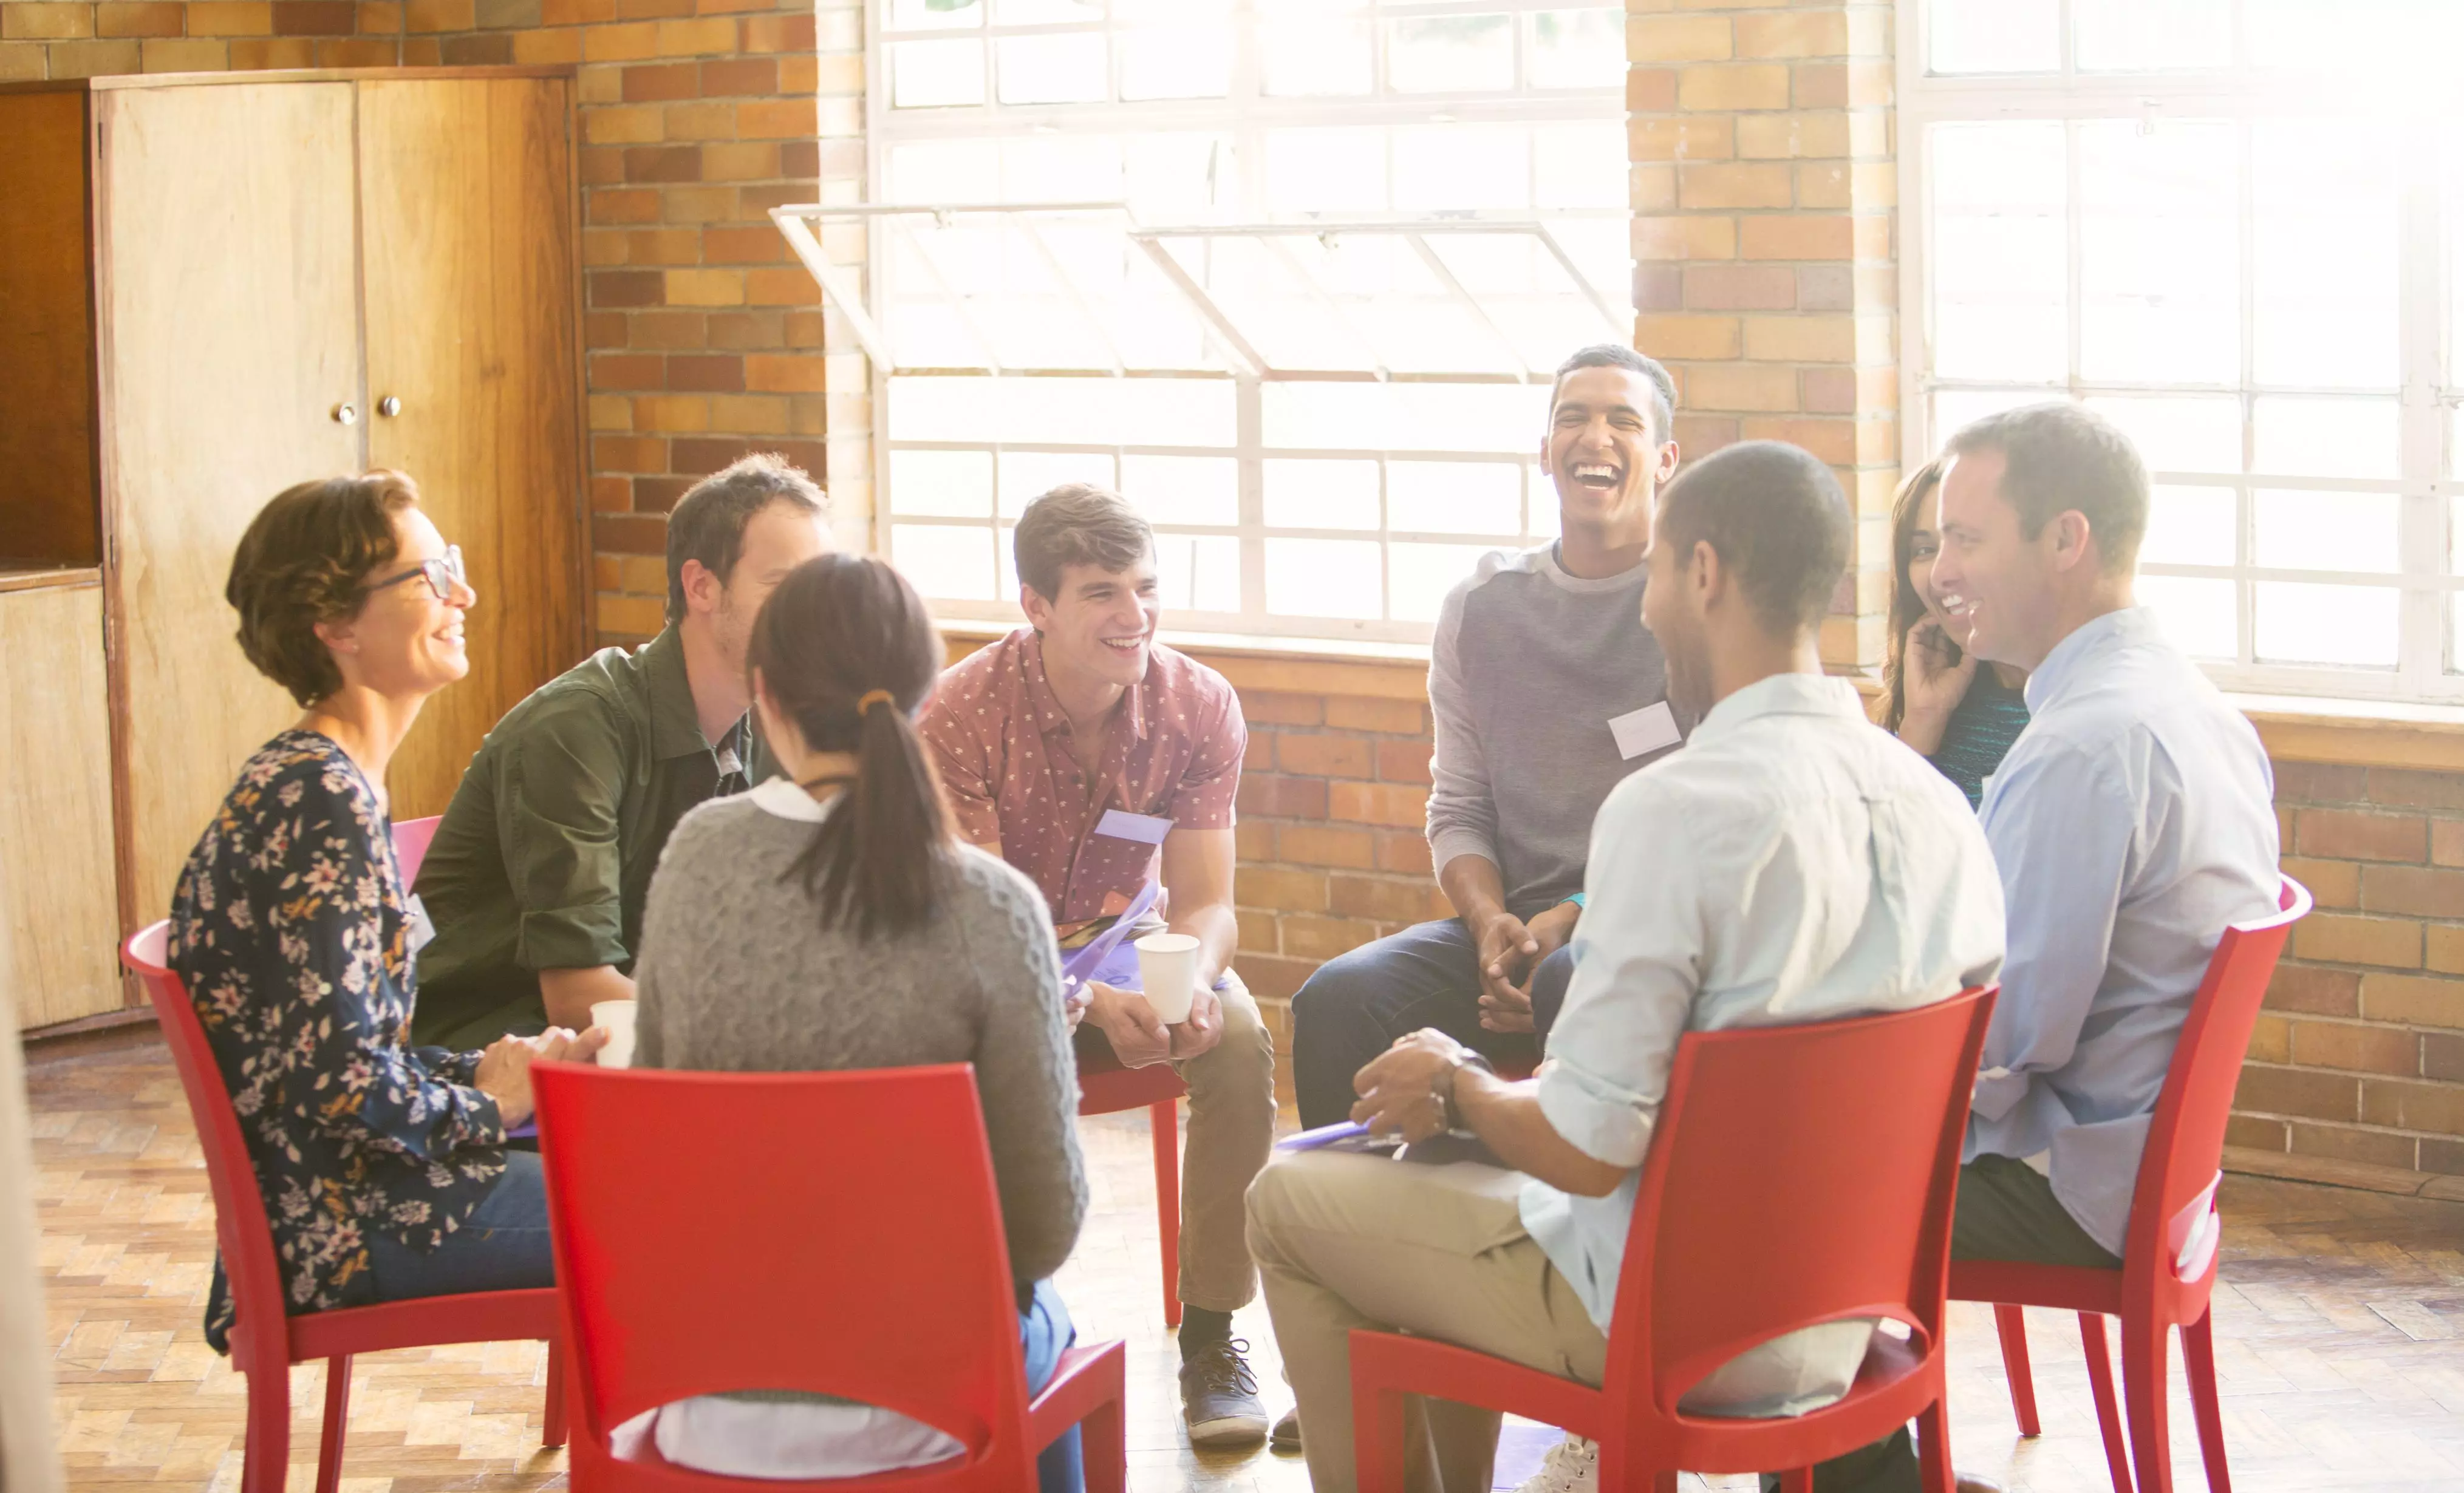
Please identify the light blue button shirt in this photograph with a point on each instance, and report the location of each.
(2132, 821)
(1793, 862)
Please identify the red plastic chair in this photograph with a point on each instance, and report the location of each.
(1800, 1174)
(1157, 1089)
(2168, 1256)
(410, 842)
(845, 1239)
(264, 1342)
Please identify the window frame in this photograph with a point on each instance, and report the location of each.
(1246, 114)
(2427, 398)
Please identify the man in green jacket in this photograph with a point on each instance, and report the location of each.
(535, 878)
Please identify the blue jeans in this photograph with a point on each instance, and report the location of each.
(1428, 974)
(1043, 1331)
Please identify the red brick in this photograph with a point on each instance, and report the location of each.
(1260, 708)
(2333, 884)
(1323, 756)
(2339, 939)
(640, 206)
(611, 494)
(1403, 761)
(1377, 803)
(1740, 287)
(1253, 840)
(2355, 835)
(1284, 890)
(659, 494)
(1650, 90)
(1387, 717)
(2413, 999)
(764, 245)
(1283, 797)
(628, 454)
(2373, 1147)
(314, 17)
(1400, 851)
(2320, 783)
(738, 78)
(1382, 900)
(801, 160)
(626, 533)
(663, 164)
(2414, 891)
(601, 165)
(2442, 1057)
(2255, 1132)
(653, 9)
(626, 288)
(2404, 788)
(488, 49)
(780, 33)
(2447, 842)
(748, 331)
(1271, 979)
(1323, 845)
(662, 82)
(701, 457)
(614, 372)
(2445, 1157)
(2358, 1048)
(2437, 1108)
(709, 374)
(602, 329)
(2314, 991)
(677, 331)
(1258, 755)
(1325, 937)
(123, 18)
(2317, 1096)
(788, 374)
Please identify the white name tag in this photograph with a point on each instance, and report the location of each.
(417, 930)
(1122, 824)
(1646, 730)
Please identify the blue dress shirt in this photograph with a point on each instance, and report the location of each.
(2133, 819)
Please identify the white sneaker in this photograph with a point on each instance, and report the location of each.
(1572, 1467)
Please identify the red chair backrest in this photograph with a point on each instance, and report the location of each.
(1797, 1175)
(2178, 1169)
(410, 837)
(240, 1226)
(837, 1233)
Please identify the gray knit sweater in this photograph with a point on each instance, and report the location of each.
(736, 972)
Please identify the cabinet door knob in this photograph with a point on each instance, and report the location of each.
(346, 414)
(388, 406)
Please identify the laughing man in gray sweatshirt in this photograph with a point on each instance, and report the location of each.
(1547, 690)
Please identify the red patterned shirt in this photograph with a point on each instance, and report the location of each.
(1012, 769)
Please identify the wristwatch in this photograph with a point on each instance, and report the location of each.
(1464, 1058)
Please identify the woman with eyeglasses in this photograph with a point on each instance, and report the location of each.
(382, 1165)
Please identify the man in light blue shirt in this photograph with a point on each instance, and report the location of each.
(1793, 863)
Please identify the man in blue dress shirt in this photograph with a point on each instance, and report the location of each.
(2132, 821)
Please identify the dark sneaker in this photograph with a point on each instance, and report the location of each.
(1219, 1395)
(1288, 1432)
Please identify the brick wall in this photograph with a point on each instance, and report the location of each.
(704, 337)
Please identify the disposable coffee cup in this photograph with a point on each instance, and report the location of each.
(1168, 970)
(617, 1016)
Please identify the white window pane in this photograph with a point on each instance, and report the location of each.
(1045, 167)
(1576, 49)
(1170, 490)
(2372, 37)
(2326, 531)
(2160, 252)
(2296, 622)
(2455, 537)
(1953, 409)
(2324, 437)
(1450, 54)
(1006, 548)
(1323, 578)
(2190, 526)
(1321, 170)
(1545, 520)
(1177, 177)
(1582, 166)
(1305, 494)
(2140, 36)
(2456, 632)
(1998, 264)
(1044, 13)
(1454, 497)
(2325, 244)
(1419, 577)
(1179, 63)
(1028, 475)
(1053, 411)
(2196, 615)
(947, 562)
(1327, 416)
(1197, 572)
(2179, 434)
(945, 171)
(927, 75)
(941, 484)
(1450, 167)
(942, 409)
(934, 14)
(1470, 417)
(1995, 35)
(1178, 411)
(1304, 58)
(1065, 69)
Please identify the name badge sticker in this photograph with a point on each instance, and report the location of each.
(1144, 829)
(1646, 730)
(417, 929)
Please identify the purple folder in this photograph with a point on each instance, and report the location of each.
(1091, 963)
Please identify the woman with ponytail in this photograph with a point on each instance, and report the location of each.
(830, 919)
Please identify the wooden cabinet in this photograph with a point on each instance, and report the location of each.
(276, 278)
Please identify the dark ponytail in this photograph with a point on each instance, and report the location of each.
(848, 652)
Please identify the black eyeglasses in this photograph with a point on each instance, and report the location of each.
(442, 575)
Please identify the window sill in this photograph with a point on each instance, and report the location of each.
(2294, 728)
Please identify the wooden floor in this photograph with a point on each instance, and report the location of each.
(2337, 1335)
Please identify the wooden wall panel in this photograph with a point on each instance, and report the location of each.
(229, 332)
(467, 210)
(58, 900)
(46, 496)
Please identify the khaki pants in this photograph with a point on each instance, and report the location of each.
(1231, 1132)
(1346, 1241)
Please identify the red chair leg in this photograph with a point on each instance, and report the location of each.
(2108, 1410)
(1102, 1444)
(337, 1422)
(2199, 1362)
(1378, 1453)
(2143, 1391)
(2011, 1323)
(1163, 1122)
(551, 1434)
(266, 1460)
(1934, 1471)
(1796, 1479)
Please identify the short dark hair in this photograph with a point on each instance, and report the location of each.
(2058, 456)
(1775, 515)
(1077, 524)
(708, 522)
(1616, 355)
(306, 558)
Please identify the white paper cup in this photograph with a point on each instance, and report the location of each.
(617, 1016)
(1168, 970)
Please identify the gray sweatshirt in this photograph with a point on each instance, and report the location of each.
(1528, 668)
(736, 972)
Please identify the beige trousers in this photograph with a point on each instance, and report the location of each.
(1346, 1241)
(1231, 1132)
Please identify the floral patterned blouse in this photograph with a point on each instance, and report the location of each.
(289, 930)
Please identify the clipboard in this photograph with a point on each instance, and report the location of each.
(1081, 964)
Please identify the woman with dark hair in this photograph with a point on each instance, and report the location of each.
(1959, 716)
(381, 1163)
(830, 919)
